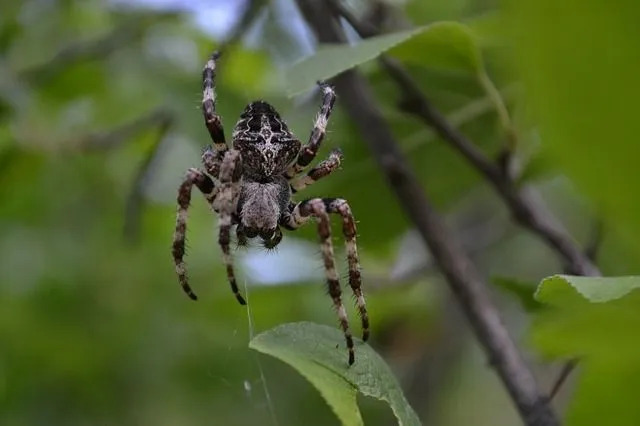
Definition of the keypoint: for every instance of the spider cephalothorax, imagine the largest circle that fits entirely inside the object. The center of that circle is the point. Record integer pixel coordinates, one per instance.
(264, 141)
(250, 187)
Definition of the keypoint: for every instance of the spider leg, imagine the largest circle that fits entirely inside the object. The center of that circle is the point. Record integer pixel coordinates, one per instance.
(299, 215)
(211, 162)
(225, 203)
(308, 152)
(211, 117)
(324, 168)
(241, 236)
(341, 207)
(206, 186)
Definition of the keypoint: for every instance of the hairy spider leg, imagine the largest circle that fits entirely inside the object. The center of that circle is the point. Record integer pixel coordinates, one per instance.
(308, 152)
(241, 236)
(341, 207)
(211, 117)
(206, 186)
(226, 203)
(299, 215)
(323, 169)
(211, 162)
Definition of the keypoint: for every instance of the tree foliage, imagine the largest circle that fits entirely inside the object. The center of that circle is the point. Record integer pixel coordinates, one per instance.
(99, 119)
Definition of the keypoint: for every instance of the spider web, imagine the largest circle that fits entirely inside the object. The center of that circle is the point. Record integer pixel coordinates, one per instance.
(263, 378)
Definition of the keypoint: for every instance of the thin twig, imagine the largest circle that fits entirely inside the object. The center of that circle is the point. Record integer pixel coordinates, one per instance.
(566, 370)
(464, 280)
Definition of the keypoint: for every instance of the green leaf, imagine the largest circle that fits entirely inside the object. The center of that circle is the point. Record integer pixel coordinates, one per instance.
(580, 63)
(594, 319)
(444, 45)
(594, 289)
(312, 350)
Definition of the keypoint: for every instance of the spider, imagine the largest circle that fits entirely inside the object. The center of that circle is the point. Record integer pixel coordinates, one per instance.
(250, 186)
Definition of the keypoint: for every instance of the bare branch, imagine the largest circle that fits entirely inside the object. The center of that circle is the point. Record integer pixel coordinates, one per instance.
(461, 274)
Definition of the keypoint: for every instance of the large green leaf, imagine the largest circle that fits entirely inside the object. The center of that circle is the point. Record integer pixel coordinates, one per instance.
(444, 45)
(312, 350)
(580, 62)
(596, 320)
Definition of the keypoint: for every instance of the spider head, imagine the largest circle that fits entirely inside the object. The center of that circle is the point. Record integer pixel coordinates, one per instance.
(265, 142)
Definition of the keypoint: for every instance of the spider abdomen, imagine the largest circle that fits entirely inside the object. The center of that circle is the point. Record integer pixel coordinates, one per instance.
(263, 203)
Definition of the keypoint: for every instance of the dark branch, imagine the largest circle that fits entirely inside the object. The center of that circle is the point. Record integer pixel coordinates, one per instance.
(461, 274)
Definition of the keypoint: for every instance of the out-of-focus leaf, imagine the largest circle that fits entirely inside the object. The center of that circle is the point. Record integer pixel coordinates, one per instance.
(447, 45)
(522, 290)
(487, 28)
(580, 62)
(249, 70)
(590, 319)
(311, 349)
(443, 45)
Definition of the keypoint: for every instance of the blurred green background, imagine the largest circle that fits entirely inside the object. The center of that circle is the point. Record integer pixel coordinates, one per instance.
(99, 119)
